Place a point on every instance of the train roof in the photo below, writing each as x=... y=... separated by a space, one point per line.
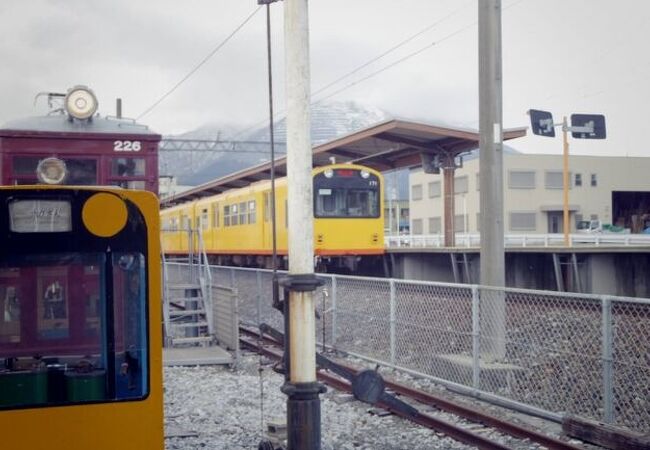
x=60 y=123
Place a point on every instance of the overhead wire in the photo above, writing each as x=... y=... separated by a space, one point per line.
x=372 y=60
x=199 y=65
x=393 y=64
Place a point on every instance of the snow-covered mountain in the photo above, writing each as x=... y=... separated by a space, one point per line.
x=328 y=121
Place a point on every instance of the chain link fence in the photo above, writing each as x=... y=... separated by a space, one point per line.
x=548 y=352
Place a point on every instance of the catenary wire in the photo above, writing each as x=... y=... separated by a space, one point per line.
x=199 y=65
x=393 y=64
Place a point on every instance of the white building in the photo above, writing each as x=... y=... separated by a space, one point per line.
x=615 y=190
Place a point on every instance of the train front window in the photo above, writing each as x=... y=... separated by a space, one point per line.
x=346 y=195
x=72 y=328
x=128 y=167
x=80 y=171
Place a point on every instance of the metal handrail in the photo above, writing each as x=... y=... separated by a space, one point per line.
x=519 y=240
x=205 y=280
x=165 y=282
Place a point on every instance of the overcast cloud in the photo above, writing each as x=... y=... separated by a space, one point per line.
x=562 y=56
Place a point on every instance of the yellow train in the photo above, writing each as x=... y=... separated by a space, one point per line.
x=80 y=314
x=236 y=225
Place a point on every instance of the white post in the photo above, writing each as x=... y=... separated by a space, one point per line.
x=303 y=405
x=299 y=167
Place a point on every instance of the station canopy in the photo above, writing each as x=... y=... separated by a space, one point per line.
x=388 y=145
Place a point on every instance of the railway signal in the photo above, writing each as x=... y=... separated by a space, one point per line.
x=583 y=126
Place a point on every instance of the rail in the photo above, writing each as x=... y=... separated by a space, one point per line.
x=473 y=240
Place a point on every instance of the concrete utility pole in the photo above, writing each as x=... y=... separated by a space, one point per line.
x=491 y=178
x=302 y=389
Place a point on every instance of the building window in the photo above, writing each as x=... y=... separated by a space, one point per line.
x=594 y=180
x=578 y=179
x=435 y=225
x=416 y=226
x=434 y=189
x=459 y=223
x=554 y=179
x=594 y=217
x=521 y=179
x=523 y=221
x=578 y=217
x=416 y=192
x=461 y=184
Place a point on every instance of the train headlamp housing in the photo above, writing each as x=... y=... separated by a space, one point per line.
x=51 y=171
x=365 y=174
x=329 y=173
x=80 y=102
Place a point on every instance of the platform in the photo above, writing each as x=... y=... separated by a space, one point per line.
x=196 y=356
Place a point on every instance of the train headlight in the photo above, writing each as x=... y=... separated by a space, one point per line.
x=329 y=173
x=365 y=174
x=51 y=171
x=80 y=102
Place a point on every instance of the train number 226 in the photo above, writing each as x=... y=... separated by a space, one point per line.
x=127 y=146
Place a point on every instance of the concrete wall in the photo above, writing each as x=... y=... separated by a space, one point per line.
x=626 y=274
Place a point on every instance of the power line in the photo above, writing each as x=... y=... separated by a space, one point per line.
x=376 y=58
x=393 y=64
x=392 y=49
x=409 y=56
x=199 y=65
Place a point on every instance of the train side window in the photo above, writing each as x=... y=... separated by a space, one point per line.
x=243 y=213
x=234 y=218
x=204 y=219
x=251 y=212
x=226 y=216
x=215 y=215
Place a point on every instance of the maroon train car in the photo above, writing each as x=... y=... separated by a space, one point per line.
x=85 y=148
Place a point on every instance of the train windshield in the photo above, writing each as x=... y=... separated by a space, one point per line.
x=346 y=193
x=72 y=328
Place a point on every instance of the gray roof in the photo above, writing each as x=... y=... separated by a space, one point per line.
x=60 y=123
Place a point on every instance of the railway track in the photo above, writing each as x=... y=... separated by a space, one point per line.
x=272 y=348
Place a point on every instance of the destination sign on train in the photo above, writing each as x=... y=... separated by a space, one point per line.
x=40 y=216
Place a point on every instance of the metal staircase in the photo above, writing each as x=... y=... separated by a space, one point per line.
x=187 y=302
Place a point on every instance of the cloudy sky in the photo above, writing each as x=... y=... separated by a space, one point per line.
x=564 y=56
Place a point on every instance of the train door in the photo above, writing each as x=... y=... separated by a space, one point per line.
x=80 y=340
x=267 y=228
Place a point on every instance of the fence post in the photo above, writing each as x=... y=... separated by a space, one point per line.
x=392 y=322
x=334 y=312
x=258 y=275
x=476 y=339
x=607 y=352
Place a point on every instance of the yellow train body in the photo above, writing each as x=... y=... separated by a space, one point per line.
x=237 y=222
x=97 y=424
